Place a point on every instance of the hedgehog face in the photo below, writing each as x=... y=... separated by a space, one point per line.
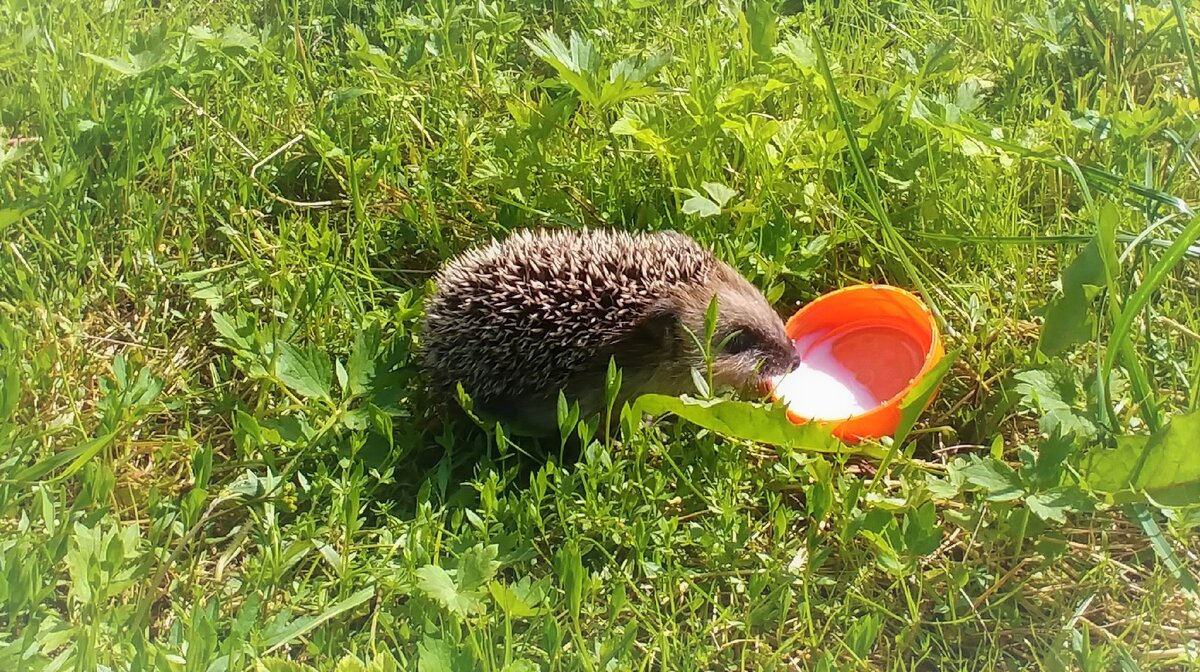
x=750 y=344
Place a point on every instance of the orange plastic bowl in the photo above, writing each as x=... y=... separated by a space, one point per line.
x=863 y=348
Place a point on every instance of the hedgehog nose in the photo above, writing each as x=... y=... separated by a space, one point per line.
x=793 y=359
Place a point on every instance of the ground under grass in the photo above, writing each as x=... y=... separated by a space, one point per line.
x=218 y=221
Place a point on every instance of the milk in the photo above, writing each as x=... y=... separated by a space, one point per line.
x=822 y=389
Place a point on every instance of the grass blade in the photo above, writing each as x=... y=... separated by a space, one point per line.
x=77 y=457
x=1140 y=298
x=1181 y=23
x=308 y=623
x=896 y=243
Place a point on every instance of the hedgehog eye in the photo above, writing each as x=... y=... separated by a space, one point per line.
x=740 y=342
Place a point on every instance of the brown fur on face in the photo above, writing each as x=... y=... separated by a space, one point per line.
x=749 y=344
x=516 y=321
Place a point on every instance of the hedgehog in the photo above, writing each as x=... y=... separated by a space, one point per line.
x=517 y=321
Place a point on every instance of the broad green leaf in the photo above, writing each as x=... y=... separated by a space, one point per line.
x=1071 y=316
x=360 y=368
x=123 y=67
x=863 y=634
x=1054 y=504
x=576 y=65
x=943 y=489
x=236 y=37
x=637 y=130
x=301 y=626
x=477 y=566
x=798 y=49
x=436 y=583
x=1052 y=394
x=637 y=69
x=699 y=205
x=752 y=422
x=202 y=462
x=339 y=372
x=762 y=25
x=350 y=663
x=720 y=193
x=1047 y=469
x=997 y=479
x=308 y=370
x=510 y=602
x=967 y=98
x=435 y=655
x=1164 y=465
x=922 y=531
x=383 y=661
x=237 y=330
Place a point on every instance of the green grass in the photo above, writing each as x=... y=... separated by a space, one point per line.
x=218 y=222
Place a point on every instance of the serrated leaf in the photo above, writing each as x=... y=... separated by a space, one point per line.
x=1052 y=395
x=1047 y=469
x=699 y=205
x=798 y=49
x=762 y=25
x=308 y=370
x=434 y=655
x=383 y=661
x=237 y=330
x=1165 y=465
x=510 y=602
x=637 y=69
x=752 y=422
x=1071 y=316
x=360 y=368
x=967 y=98
x=477 y=566
x=720 y=193
x=236 y=37
x=123 y=67
x=997 y=479
x=350 y=663
x=576 y=65
x=1054 y=504
x=941 y=488
x=436 y=583
x=922 y=533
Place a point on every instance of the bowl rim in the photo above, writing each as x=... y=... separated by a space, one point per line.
x=932 y=353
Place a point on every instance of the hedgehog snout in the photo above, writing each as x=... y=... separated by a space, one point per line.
x=784 y=359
